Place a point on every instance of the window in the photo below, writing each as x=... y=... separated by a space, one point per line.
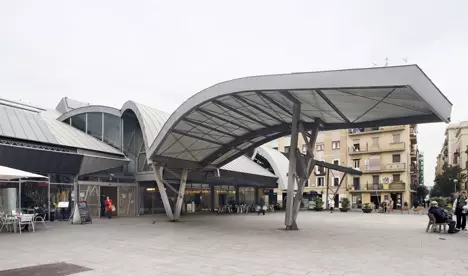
x=396 y=158
x=356 y=163
x=356 y=146
x=320 y=147
x=396 y=138
x=320 y=181
x=112 y=131
x=396 y=178
x=336 y=181
x=336 y=162
x=375 y=179
x=79 y=122
x=375 y=142
x=319 y=170
x=95 y=125
x=307 y=184
x=335 y=145
x=357 y=183
x=286 y=149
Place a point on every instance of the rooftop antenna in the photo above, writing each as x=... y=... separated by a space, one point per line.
x=405 y=60
x=386 y=61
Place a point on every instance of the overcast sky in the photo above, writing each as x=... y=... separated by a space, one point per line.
x=161 y=52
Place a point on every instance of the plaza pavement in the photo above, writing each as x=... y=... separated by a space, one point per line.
x=327 y=244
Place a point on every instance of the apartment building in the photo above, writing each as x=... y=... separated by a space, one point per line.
x=421 y=167
x=387 y=156
x=455 y=148
x=388 y=159
x=330 y=147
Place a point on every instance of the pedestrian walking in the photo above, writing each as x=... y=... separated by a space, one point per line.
x=458 y=205
x=109 y=207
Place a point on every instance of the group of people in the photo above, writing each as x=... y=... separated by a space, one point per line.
x=460 y=209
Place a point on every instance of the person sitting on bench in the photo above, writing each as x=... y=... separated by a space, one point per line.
x=442 y=217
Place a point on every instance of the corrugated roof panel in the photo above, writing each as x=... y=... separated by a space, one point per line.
x=40 y=134
x=5 y=124
x=26 y=126
x=15 y=124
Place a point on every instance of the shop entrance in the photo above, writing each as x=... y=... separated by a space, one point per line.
x=110 y=192
x=376 y=200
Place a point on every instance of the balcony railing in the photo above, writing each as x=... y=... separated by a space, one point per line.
x=392 y=167
x=360 y=131
x=394 y=186
x=400 y=146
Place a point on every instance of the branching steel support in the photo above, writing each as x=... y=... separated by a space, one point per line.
x=298 y=172
x=173 y=216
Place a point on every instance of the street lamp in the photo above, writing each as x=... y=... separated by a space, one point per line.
x=455 y=181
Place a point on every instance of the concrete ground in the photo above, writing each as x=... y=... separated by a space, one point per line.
x=327 y=244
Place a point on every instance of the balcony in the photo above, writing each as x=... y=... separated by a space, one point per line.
x=413 y=134
x=392 y=167
x=400 y=146
x=373 y=130
x=392 y=187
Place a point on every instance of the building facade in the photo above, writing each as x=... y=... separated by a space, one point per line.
x=421 y=167
x=387 y=157
x=102 y=151
x=454 y=150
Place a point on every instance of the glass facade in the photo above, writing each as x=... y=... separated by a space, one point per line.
x=95 y=125
x=92 y=123
x=79 y=122
x=247 y=195
x=126 y=201
x=112 y=131
x=224 y=195
x=91 y=194
x=200 y=195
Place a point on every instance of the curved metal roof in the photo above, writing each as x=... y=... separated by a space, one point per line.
x=222 y=122
x=279 y=163
x=38 y=125
x=151 y=120
x=89 y=109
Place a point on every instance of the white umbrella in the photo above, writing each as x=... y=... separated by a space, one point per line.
x=7 y=173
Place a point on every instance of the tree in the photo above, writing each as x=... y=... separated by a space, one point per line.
x=421 y=192
x=445 y=184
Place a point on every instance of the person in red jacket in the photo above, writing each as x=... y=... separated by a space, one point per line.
x=108 y=207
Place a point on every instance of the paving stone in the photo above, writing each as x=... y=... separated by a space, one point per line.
x=327 y=244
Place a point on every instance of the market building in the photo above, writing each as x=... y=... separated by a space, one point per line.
x=104 y=150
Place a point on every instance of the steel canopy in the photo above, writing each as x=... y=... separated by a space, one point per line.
x=226 y=120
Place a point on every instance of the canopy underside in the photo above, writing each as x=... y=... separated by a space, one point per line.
x=232 y=120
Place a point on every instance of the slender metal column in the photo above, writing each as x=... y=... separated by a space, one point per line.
x=19 y=194
x=292 y=165
x=48 y=197
x=212 y=198
x=162 y=191
x=327 y=204
x=180 y=197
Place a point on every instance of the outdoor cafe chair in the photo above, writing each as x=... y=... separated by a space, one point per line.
x=26 y=219
x=39 y=218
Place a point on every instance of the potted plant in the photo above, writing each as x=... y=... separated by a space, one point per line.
x=344 y=204
x=318 y=204
x=366 y=208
